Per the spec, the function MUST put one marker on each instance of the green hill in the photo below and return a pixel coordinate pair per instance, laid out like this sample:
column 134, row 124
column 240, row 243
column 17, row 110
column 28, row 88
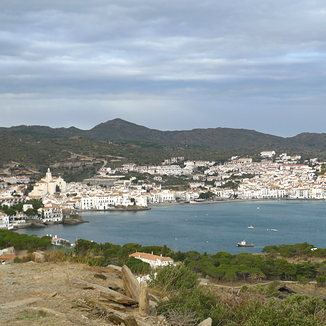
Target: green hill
column 40, row 146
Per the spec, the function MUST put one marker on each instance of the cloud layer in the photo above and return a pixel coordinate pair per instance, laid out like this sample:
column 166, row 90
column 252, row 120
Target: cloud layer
column 168, row 65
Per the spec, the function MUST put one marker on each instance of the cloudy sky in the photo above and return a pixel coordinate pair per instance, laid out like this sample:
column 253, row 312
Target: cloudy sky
column 167, row 65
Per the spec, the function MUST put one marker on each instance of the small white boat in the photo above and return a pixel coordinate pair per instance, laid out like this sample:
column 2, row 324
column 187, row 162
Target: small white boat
column 273, row 230
column 250, row 227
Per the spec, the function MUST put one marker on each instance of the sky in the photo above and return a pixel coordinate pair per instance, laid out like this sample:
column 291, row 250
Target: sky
column 162, row 64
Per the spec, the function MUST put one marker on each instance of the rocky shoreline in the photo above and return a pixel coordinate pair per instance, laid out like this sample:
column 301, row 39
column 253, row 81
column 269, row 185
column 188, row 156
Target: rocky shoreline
column 39, row 224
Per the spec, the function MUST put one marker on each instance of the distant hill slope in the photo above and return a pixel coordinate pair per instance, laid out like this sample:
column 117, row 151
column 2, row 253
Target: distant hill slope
column 228, row 139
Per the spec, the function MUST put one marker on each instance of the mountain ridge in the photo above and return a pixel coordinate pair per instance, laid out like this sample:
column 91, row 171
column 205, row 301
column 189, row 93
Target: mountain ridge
column 120, row 123
column 123, row 132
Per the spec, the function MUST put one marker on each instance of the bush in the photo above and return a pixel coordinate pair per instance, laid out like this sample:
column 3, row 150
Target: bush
column 321, row 280
column 273, row 313
column 138, row 266
column 197, row 303
column 17, row 260
column 174, row 278
column 54, row 256
column 29, row 257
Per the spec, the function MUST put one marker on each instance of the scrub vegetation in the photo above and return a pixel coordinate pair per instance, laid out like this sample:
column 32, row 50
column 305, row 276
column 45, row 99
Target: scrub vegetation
column 187, row 302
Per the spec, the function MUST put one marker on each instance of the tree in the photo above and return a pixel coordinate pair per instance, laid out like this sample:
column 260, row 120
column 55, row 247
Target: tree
column 83, row 247
column 206, row 195
column 10, row 211
column 31, row 212
column 138, row 266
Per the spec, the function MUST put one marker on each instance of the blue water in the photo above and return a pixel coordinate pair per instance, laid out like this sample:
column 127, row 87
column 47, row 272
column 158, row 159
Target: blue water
column 204, row 227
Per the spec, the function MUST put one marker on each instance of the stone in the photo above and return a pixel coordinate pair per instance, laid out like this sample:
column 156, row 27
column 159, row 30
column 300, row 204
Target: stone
column 106, row 293
column 143, row 300
column 130, row 283
column 115, row 269
column 206, row 322
column 130, row 321
column 100, row 275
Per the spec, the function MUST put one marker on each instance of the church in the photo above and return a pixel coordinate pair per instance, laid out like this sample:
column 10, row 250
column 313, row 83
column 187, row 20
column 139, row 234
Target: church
column 48, row 185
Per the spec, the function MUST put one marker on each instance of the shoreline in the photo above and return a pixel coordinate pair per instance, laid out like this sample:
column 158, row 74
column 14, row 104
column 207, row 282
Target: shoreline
column 36, row 224
column 215, row 202
column 125, row 209
column 220, row 201
column 43, row 225
column 232, row 201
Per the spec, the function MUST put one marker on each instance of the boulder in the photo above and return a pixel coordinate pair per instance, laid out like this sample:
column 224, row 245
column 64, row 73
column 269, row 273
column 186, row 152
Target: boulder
column 130, row 283
column 206, row 322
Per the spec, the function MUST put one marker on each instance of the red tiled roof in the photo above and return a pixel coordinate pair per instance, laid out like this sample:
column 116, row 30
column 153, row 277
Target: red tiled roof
column 8, row 257
column 149, row 256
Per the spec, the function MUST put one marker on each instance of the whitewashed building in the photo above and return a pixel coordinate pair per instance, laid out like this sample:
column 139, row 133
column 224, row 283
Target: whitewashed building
column 153, row 260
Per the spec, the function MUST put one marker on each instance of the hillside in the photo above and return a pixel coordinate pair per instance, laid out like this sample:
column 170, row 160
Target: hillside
column 49, row 294
column 39, row 147
column 62, row 293
column 120, row 131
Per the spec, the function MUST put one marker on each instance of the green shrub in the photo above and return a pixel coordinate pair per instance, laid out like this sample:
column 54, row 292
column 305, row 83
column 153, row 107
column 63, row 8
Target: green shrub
column 17, row 260
column 321, row 280
column 197, row 302
column 29, row 257
column 172, row 278
column 272, row 313
column 138, row 266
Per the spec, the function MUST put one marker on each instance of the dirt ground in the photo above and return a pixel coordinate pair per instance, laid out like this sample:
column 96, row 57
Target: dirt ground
column 43, row 294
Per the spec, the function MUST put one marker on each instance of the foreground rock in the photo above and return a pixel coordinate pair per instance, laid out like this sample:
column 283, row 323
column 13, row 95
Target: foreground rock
column 51, row 294
column 68, row 294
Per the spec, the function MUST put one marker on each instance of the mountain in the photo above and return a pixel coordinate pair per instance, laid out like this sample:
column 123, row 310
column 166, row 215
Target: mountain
column 42, row 131
column 122, row 132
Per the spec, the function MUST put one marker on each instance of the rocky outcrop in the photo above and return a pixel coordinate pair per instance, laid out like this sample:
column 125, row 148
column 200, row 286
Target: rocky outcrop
column 123, row 304
column 124, row 301
column 73, row 221
column 34, row 223
column 52, row 293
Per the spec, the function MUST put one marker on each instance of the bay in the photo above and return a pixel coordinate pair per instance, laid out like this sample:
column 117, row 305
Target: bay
column 204, row 227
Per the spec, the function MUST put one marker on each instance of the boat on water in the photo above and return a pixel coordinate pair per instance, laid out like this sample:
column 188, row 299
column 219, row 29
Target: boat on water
column 273, row 230
column 251, row 227
column 244, row 243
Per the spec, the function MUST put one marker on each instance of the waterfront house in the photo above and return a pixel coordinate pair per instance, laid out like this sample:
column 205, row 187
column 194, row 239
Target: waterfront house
column 153, row 260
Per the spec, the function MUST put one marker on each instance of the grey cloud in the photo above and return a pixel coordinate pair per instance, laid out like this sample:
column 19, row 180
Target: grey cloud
column 185, row 57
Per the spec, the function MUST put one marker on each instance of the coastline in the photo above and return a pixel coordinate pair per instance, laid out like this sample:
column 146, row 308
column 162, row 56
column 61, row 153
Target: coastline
column 209, row 202
column 116, row 209
column 76, row 221
column 42, row 225
column 233, row 201
column 204, row 228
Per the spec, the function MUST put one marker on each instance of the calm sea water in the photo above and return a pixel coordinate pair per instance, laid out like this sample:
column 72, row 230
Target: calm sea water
column 204, row 227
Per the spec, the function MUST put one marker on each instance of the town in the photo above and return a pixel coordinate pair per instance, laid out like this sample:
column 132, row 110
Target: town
column 240, row 178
